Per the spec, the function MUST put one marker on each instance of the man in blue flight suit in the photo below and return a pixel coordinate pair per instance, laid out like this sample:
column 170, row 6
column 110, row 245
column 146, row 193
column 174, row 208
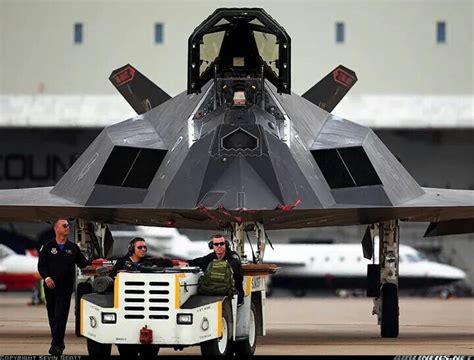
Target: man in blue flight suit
column 56, row 266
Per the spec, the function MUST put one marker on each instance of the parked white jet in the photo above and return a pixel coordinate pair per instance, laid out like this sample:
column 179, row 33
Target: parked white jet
column 342, row 266
column 306, row 266
column 17, row 272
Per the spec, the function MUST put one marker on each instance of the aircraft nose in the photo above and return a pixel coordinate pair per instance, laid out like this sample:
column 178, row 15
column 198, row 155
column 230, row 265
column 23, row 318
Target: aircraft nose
column 451, row 272
column 458, row 274
column 238, row 166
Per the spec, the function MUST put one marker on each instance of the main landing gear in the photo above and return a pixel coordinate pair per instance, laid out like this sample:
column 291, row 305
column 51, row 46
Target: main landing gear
column 382, row 278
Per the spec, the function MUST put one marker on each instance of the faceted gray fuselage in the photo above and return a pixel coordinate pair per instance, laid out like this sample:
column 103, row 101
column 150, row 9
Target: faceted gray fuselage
column 238, row 146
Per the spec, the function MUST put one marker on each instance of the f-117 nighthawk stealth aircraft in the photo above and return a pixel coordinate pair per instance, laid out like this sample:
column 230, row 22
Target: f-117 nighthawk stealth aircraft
column 238, row 150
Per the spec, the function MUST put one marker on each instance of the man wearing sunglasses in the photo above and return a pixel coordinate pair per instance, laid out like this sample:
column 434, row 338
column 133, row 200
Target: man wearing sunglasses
column 56, row 265
column 137, row 256
column 222, row 251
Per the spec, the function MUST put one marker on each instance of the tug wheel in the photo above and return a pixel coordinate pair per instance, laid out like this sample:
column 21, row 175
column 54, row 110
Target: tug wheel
column 128, row 351
column 98, row 350
column 220, row 346
column 246, row 348
column 81, row 290
column 148, row 351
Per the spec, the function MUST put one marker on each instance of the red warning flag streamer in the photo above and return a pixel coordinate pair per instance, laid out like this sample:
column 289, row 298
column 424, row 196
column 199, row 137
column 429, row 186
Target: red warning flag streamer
column 206, row 212
column 245, row 211
column 290, row 207
column 170, row 222
column 237, row 219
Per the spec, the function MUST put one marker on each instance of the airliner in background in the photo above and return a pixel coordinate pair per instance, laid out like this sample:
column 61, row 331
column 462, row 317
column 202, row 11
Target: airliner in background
column 342, row 266
column 305, row 266
column 17, row 272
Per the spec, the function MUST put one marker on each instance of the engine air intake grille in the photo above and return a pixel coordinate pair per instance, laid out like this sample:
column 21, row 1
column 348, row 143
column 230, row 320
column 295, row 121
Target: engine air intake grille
column 346, row 167
column 131, row 167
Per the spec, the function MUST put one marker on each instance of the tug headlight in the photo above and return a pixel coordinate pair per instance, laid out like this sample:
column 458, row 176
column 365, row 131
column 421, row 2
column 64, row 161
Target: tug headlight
column 184, row 319
column 109, row 318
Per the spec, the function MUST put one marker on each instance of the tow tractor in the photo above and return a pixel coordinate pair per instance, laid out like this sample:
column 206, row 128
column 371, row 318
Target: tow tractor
column 141, row 312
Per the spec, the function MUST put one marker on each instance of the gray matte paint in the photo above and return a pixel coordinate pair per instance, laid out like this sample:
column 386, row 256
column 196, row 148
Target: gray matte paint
column 200, row 184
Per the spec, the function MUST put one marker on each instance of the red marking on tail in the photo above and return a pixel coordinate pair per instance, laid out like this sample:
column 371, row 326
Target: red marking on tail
column 124, row 76
column 342, row 77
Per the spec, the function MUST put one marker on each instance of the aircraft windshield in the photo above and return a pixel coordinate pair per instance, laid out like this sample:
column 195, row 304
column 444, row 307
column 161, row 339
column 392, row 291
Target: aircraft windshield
column 415, row 258
column 268, row 49
column 5, row 251
column 256, row 22
column 239, row 42
column 210, row 47
column 222, row 22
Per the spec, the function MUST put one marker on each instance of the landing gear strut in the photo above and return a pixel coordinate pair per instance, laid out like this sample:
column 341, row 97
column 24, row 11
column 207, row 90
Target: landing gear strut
column 250, row 320
column 386, row 304
column 239, row 233
column 95, row 241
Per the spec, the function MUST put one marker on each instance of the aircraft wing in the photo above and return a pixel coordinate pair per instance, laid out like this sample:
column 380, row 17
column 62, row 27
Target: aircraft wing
column 439, row 206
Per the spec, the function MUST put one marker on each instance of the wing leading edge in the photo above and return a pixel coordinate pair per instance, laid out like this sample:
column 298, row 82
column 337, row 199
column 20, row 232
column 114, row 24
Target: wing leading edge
column 447, row 208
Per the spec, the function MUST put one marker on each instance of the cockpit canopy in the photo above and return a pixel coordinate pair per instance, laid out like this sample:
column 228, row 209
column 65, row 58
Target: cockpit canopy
column 239, row 43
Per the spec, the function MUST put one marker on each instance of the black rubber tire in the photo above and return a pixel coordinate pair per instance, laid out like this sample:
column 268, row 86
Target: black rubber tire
column 299, row 292
column 389, row 327
column 246, row 348
column 220, row 347
column 98, row 350
column 82, row 289
column 128, row 351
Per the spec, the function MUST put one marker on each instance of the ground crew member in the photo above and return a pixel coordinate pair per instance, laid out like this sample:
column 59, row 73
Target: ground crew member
column 56, row 266
column 136, row 256
column 222, row 251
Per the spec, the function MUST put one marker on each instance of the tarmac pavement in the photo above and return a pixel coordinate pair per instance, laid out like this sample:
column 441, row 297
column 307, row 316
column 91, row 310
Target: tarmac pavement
column 295, row 326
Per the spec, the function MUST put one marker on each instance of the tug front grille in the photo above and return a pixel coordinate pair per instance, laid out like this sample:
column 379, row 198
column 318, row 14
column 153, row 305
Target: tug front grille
column 147, row 300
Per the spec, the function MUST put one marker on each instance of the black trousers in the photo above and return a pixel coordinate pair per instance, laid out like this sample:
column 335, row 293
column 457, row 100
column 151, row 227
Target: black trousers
column 58, row 301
